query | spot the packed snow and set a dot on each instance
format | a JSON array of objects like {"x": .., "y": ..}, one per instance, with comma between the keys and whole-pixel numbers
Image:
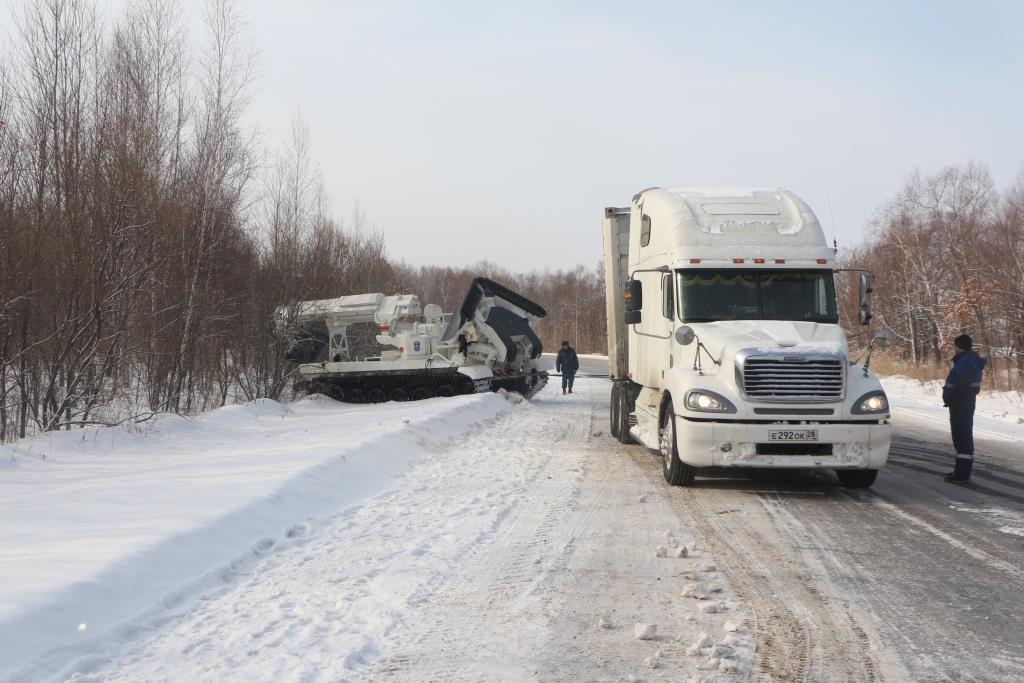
[
  {"x": 475, "y": 537},
  {"x": 101, "y": 525}
]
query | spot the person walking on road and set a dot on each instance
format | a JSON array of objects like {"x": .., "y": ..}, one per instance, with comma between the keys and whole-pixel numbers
[
  {"x": 959, "y": 394},
  {"x": 567, "y": 363}
]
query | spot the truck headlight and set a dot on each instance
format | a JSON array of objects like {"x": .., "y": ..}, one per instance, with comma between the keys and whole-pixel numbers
[
  {"x": 704, "y": 401},
  {"x": 871, "y": 403}
]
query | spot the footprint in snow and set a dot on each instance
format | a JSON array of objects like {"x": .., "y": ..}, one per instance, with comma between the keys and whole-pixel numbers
[
  {"x": 296, "y": 530},
  {"x": 262, "y": 545}
]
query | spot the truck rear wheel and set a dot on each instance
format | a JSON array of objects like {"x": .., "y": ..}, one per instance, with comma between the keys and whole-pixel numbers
[
  {"x": 677, "y": 473},
  {"x": 614, "y": 409},
  {"x": 857, "y": 479},
  {"x": 623, "y": 414}
]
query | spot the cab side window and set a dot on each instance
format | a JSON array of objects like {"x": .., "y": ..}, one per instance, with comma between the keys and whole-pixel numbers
[
  {"x": 645, "y": 231},
  {"x": 668, "y": 308}
]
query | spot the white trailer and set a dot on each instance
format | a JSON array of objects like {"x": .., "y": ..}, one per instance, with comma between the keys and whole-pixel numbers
[{"x": 724, "y": 343}]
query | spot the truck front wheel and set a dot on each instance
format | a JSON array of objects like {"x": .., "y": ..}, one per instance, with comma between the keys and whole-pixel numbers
[
  {"x": 857, "y": 479},
  {"x": 677, "y": 473}
]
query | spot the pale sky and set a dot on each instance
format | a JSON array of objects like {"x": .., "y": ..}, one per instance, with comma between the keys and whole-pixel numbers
[{"x": 475, "y": 130}]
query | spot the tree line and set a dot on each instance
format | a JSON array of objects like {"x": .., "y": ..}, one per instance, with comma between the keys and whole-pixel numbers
[
  {"x": 147, "y": 236},
  {"x": 948, "y": 253}
]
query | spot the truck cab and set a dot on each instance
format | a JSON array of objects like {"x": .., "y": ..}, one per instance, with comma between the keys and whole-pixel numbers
[{"x": 724, "y": 341}]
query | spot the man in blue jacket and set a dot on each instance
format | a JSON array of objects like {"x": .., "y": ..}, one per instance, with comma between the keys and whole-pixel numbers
[
  {"x": 959, "y": 395},
  {"x": 567, "y": 363}
]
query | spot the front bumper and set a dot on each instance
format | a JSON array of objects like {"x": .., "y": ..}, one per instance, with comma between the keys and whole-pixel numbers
[{"x": 734, "y": 444}]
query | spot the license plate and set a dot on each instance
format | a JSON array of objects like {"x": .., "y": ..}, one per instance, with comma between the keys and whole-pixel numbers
[{"x": 795, "y": 435}]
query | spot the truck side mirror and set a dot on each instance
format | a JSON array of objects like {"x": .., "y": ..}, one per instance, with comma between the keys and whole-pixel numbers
[
  {"x": 633, "y": 295},
  {"x": 685, "y": 335},
  {"x": 867, "y": 285},
  {"x": 883, "y": 338}
]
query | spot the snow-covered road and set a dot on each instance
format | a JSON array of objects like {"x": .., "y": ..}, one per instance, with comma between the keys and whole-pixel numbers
[
  {"x": 484, "y": 539},
  {"x": 914, "y": 579},
  {"x": 526, "y": 546}
]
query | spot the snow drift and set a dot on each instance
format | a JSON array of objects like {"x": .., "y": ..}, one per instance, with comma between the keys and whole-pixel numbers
[{"x": 101, "y": 525}]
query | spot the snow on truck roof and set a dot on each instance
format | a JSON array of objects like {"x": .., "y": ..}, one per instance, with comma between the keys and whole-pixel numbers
[{"x": 734, "y": 216}]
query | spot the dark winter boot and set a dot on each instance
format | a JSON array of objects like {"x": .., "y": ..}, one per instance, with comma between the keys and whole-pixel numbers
[{"x": 962, "y": 471}]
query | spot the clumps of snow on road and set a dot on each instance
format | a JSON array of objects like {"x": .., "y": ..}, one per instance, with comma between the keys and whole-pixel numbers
[
  {"x": 645, "y": 631},
  {"x": 693, "y": 590},
  {"x": 703, "y": 640},
  {"x": 723, "y": 656},
  {"x": 712, "y": 607},
  {"x": 677, "y": 551}
]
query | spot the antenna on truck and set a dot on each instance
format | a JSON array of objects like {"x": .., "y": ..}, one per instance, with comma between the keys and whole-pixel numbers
[{"x": 832, "y": 219}]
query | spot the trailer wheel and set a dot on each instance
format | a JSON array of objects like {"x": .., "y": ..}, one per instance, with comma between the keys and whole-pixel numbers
[
  {"x": 376, "y": 396},
  {"x": 857, "y": 479},
  {"x": 354, "y": 395},
  {"x": 399, "y": 394},
  {"x": 623, "y": 414},
  {"x": 677, "y": 473},
  {"x": 614, "y": 408},
  {"x": 446, "y": 390}
]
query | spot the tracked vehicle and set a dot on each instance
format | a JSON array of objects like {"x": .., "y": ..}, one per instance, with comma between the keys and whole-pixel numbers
[{"x": 488, "y": 344}]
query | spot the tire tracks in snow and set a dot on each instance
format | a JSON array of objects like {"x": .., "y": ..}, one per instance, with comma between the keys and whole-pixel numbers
[
  {"x": 556, "y": 592},
  {"x": 504, "y": 585},
  {"x": 804, "y": 631}
]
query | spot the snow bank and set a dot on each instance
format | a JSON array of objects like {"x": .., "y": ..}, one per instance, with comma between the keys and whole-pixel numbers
[{"x": 102, "y": 524}]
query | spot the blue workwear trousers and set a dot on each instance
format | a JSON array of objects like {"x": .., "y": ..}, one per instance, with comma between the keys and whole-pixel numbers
[
  {"x": 567, "y": 377},
  {"x": 961, "y": 425}
]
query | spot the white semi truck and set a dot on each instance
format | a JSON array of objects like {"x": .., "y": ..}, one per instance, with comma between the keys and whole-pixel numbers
[{"x": 724, "y": 342}]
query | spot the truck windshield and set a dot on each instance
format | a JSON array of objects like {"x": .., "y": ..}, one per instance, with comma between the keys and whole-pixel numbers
[{"x": 707, "y": 295}]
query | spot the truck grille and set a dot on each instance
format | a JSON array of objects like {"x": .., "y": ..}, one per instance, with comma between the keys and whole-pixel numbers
[{"x": 793, "y": 379}]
